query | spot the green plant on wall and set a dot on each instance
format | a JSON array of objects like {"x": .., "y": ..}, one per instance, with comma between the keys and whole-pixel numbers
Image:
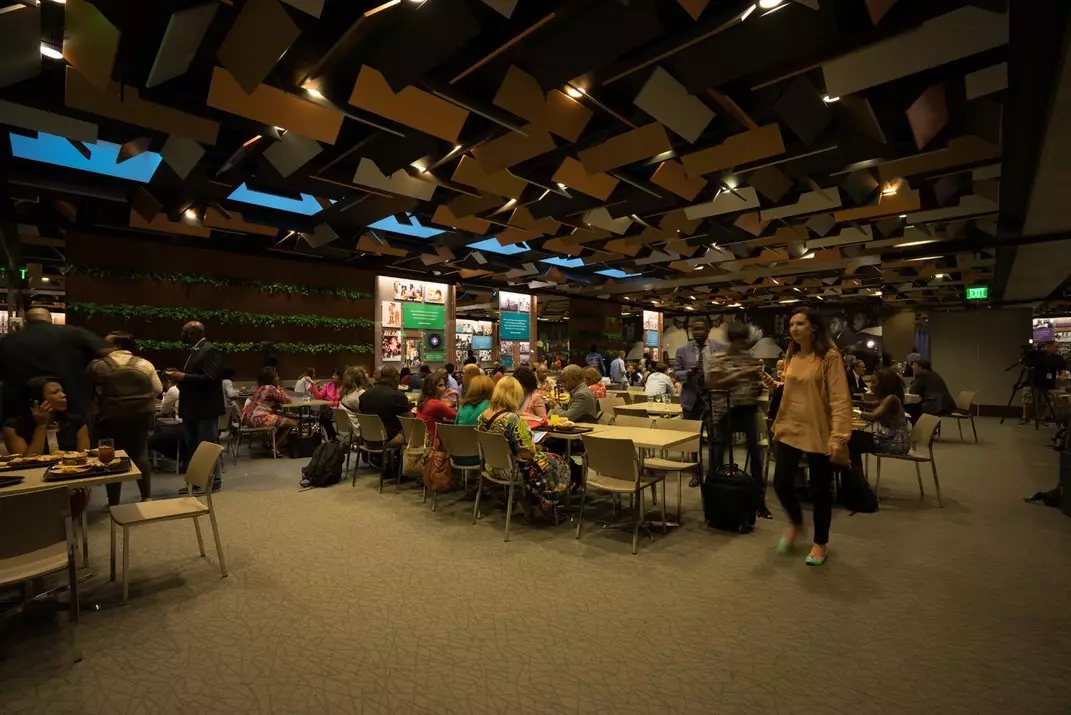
[
  {"x": 282, "y": 348},
  {"x": 215, "y": 281},
  {"x": 223, "y": 316}
]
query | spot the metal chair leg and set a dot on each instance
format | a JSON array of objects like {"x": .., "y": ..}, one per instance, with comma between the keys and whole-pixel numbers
[
  {"x": 959, "y": 423},
  {"x": 636, "y": 524},
  {"x": 877, "y": 480},
  {"x": 200, "y": 541},
  {"x": 974, "y": 429},
  {"x": 918, "y": 474},
  {"x": 126, "y": 564},
  {"x": 112, "y": 570},
  {"x": 479, "y": 493},
  {"x": 664, "y": 527},
  {"x": 85, "y": 539},
  {"x": 75, "y": 612},
  {"x": 936, "y": 484},
  {"x": 219, "y": 544},
  {"x": 580, "y": 514},
  {"x": 509, "y": 510}
]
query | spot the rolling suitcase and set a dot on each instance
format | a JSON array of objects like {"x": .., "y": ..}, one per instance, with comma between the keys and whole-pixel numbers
[{"x": 729, "y": 493}]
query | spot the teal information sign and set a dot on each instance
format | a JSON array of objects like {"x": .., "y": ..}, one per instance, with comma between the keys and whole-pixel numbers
[
  {"x": 418, "y": 316},
  {"x": 513, "y": 326}
]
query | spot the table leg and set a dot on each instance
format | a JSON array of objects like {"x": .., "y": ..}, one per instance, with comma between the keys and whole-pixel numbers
[
  {"x": 85, "y": 539},
  {"x": 664, "y": 524}
]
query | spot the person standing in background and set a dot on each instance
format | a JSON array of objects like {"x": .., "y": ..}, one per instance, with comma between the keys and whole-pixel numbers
[
  {"x": 618, "y": 376},
  {"x": 127, "y": 388},
  {"x": 690, "y": 367},
  {"x": 451, "y": 381},
  {"x": 813, "y": 421},
  {"x": 200, "y": 384},
  {"x": 596, "y": 360},
  {"x": 471, "y": 359}
]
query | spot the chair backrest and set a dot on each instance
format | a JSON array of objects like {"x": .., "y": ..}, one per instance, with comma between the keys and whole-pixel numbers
[
  {"x": 612, "y": 457},
  {"x": 923, "y": 431},
  {"x": 414, "y": 431},
  {"x": 407, "y": 428},
  {"x": 676, "y": 425},
  {"x": 606, "y": 418},
  {"x": 606, "y": 404},
  {"x": 965, "y": 401},
  {"x": 632, "y": 421},
  {"x": 342, "y": 423},
  {"x": 371, "y": 428},
  {"x": 638, "y": 397},
  {"x": 459, "y": 440},
  {"x": 33, "y": 521},
  {"x": 199, "y": 471},
  {"x": 674, "y": 399},
  {"x": 495, "y": 451}
]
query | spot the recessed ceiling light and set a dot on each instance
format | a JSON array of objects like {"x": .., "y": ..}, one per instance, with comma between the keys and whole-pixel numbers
[
  {"x": 457, "y": 147},
  {"x": 45, "y": 279},
  {"x": 280, "y": 130},
  {"x": 313, "y": 92},
  {"x": 688, "y": 307},
  {"x": 903, "y": 216},
  {"x": 561, "y": 186},
  {"x": 769, "y": 4},
  {"x": 698, "y": 268},
  {"x": 830, "y": 100},
  {"x": 190, "y": 214},
  {"x": 942, "y": 275},
  {"x": 915, "y": 243},
  {"x": 925, "y": 258},
  {"x": 51, "y": 52},
  {"x": 574, "y": 92},
  {"x": 747, "y": 13}
]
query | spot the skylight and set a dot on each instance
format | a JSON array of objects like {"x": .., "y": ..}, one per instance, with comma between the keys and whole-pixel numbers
[
  {"x": 491, "y": 245},
  {"x": 417, "y": 229},
  {"x": 564, "y": 262},
  {"x": 55, "y": 150},
  {"x": 308, "y": 205},
  {"x": 617, "y": 273}
]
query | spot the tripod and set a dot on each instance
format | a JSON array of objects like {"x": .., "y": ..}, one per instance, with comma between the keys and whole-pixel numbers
[{"x": 1040, "y": 395}]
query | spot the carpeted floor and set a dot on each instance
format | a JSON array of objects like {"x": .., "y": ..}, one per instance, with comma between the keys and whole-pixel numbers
[{"x": 343, "y": 600}]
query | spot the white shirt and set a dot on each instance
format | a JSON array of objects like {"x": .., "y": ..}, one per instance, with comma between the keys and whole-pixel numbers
[
  {"x": 303, "y": 386},
  {"x": 659, "y": 383},
  {"x": 169, "y": 406}
]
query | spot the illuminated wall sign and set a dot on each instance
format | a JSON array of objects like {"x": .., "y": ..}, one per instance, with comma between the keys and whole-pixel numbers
[{"x": 977, "y": 292}]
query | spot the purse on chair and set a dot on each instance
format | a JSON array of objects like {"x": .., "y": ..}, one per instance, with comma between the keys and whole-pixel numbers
[{"x": 436, "y": 470}]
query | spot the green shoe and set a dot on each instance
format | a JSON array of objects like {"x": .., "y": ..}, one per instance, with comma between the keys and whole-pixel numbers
[
  {"x": 812, "y": 561},
  {"x": 784, "y": 546}
]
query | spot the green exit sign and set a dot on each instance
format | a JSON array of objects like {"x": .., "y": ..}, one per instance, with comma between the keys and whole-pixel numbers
[{"x": 978, "y": 293}]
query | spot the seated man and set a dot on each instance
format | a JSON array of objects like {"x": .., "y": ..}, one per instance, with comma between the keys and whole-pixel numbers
[
  {"x": 583, "y": 407},
  {"x": 388, "y": 402},
  {"x": 931, "y": 387}
]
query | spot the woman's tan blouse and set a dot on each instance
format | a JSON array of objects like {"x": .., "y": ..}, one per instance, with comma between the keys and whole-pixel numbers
[{"x": 815, "y": 404}]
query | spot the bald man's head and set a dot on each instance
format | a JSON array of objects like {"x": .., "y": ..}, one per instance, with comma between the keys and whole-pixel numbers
[
  {"x": 468, "y": 372},
  {"x": 38, "y": 315},
  {"x": 192, "y": 332}
]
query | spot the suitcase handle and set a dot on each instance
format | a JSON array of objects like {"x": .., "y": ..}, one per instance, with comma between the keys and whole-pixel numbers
[{"x": 728, "y": 422}]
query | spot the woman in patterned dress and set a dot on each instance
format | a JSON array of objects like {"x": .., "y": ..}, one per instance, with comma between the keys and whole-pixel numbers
[
  {"x": 545, "y": 475},
  {"x": 892, "y": 428},
  {"x": 263, "y": 409}
]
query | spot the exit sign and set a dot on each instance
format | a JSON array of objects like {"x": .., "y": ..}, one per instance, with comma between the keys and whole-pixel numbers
[{"x": 978, "y": 293}]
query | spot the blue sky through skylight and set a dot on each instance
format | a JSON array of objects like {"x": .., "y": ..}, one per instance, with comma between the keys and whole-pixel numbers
[
  {"x": 564, "y": 262},
  {"x": 617, "y": 273},
  {"x": 491, "y": 245},
  {"x": 55, "y": 150},
  {"x": 417, "y": 229},
  {"x": 308, "y": 205}
]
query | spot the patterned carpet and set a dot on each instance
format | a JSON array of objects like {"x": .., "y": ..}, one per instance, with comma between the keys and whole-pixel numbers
[{"x": 343, "y": 600}]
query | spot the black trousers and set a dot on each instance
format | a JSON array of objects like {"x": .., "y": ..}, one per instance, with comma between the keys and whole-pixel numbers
[
  {"x": 788, "y": 459},
  {"x": 132, "y": 435}
]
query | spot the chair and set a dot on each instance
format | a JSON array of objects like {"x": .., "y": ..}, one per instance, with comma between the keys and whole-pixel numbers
[
  {"x": 373, "y": 433},
  {"x": 632, "y": 421},
  {"x": 415, "y": 435},
  {"x": 348, "y": 435},
  {"x": 248, "y": 432},
  {"x": 617, "y": 470},
  {"x": 921, "y": 433},
  {"x": 638, "y": 397},
  {"x": 198, "y": 474},
  {"x": 607, "y": 404},
  {"x": 37, "y": 539},
  {"x": 459, "y": 441},
  {"x": 674, "y": 399},
  {"x": 497, "y": 457},
  {"x": 687, "y": 449},
  {"x": 965, "y": 411}
]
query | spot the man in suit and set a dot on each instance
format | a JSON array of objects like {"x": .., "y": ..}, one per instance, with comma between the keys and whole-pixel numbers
[
  {"x": 931, "y": 387},
  {"x": 690, "y": 366},
  {"x": 200, "y": 384}
]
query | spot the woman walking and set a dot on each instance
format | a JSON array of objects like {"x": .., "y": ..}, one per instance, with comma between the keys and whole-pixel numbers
[{"x": 814, "y": 421}]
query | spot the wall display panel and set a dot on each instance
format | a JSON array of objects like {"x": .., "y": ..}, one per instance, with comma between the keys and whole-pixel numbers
[
  {"x": 514, "y": 302},
  {"x": 411, "y": 316},
  {"x": 482, "y": 342},
  {"x": 505, "y": 353},
  {"x": 423, "y": 316},
  {"x": 391, "y": 346},
  {"x": 392, "y": 314},
  {"x": 513, "y": 326},
  {"x": 412, "y": 356}
]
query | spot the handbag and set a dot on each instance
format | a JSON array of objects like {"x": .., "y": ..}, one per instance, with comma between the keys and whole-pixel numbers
[{"x": 437, "y": 472}]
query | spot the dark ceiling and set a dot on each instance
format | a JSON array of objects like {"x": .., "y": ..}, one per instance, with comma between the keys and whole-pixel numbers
[{"x": 844, "y": 149}]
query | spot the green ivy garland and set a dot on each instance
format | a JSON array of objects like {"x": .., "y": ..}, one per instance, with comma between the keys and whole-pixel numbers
[
  {"x": 153, "y": 312},
  {"x": 284, "y": 348},
  {"x": 215, "y": 281}
]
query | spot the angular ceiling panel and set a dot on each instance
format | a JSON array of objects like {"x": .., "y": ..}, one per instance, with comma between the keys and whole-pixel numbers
[
  {"x": 368, "y": 174},
  {"x": 412, "y": 107},
  {"x": 739, "y": 149},
  {"x": 23, "y": 117},
  {"x": 260, "y": 35},
  {"x": 512, "y": 148},
  {"x": 666, "y": 99},
  {"x": 183, "y": 37},
  {"x": 627, "y": 148},
  {"x": 573, "y": 174},
  {"x": 20, "y": 43},
  {"x": 291, "y": 153},
  {"x": 520, "y": 94},
  {"x": 743, "y": 199},
  {"x": 670, "y": 175},
  {"x": 90, "y": 43}
]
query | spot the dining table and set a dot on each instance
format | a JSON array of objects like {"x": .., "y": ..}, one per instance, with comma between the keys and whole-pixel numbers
[
  {"x": 651, "y": 409},
  {"x": 33, "y": 480}
]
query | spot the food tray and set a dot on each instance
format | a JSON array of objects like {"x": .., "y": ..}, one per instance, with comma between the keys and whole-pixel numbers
[
  {"x": 116, "y": 466},
  {"x": 43, "y": 460}
]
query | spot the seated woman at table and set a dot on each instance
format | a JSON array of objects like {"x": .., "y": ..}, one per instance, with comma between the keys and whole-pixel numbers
[
  {"x": 331, "y": 390},
  {"x": 354, "y": 383},
  {"x": 891, "y": 425},
  {"x": 405, "y": 376},
  {"x": 593, "y": 378},
  {"x": 533, "y": 404},
  {"x": 546, "y": 380},
  {"x": 434, "y": 406},
  {"x": 477, "y": 399},
  {"x": 265, "y": 405},
  {"x": 545, "y": 475},
  {"x": 498, "y": 373},
  {"x": 43, "y": 426}
]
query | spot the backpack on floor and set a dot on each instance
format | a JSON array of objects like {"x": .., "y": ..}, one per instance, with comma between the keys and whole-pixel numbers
[
  {"x": 856, "y": 494},
  {"x": 730, "y": 495},
  {"x": 325, "y": 467}
]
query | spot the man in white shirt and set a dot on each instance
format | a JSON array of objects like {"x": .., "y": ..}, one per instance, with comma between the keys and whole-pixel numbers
[
  {"x": 617, "y": 372},
  {"x": 169, "y": 405},
  {"x": 659, "y": 383}
]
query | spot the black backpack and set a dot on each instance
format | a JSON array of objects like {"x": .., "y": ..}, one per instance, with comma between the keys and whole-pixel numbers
[
  {"x": 123, "y": 389},
  {"x": 730, "y": 495},
  {"x": 325, "y": 467},
  {"x": 856, "y": 494}
]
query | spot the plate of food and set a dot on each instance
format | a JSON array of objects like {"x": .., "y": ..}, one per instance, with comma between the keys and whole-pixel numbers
[
  {"x": 90, "y": 468},
  {"x": 29, "y": 461}
]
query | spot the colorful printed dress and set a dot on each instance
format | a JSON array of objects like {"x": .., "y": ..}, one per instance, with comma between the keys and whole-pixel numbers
[
  {"x": 545, "y": 476},
  {"x": 264, "y": 406}
]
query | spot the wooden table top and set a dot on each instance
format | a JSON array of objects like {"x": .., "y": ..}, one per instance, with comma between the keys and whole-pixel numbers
[
  {"x": 643, "y": 437},
  {"x": 34, "y": 479},
  {"x": 650, "y": 408},
  {"x": 298, "y": 403}
]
